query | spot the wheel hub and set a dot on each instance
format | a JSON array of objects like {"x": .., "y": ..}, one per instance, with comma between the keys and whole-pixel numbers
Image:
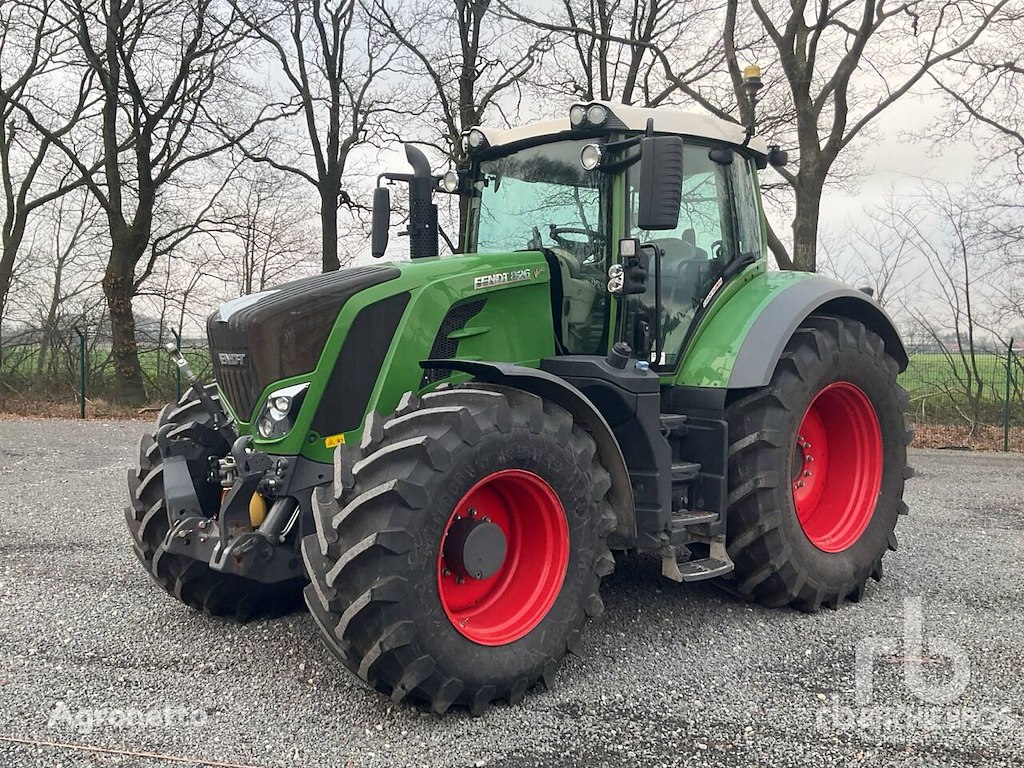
[
  {"x": 474, "y": 548},
  {"x": 502, "y": 557},
  {"x": 837, "y": 466}
]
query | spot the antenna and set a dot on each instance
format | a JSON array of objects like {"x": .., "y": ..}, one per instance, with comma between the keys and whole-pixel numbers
[{"x": 751, "y": 85}]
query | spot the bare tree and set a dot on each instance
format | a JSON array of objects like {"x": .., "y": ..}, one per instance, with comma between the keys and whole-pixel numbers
[
  {"x": 32, "y": 50},
  {"x": 71, "y": 247},
  {"x": 470, "y": 56},
  {"x": 268, "y": 229},
  {"x": 624, "y": 50},
  {"x": 874, "y": 253},
  {"x": 332, "y": 61},
  {"x": 985, "y": 85},
  {"x": 471, "y": 60},
  {"x": 842, "y": 65},
  {"x": 950, "y": 227},
  {"x": 165, "y": 91}
]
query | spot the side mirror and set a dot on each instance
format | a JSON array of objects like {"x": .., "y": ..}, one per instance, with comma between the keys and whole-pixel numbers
[
  {"x": 381, "y": 221},
  {"x": 777, "y": 157},
  {"x": 661, "y": 182}
]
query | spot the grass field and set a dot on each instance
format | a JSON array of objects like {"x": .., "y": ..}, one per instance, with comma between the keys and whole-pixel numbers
[{"x": 933, "y": 373}]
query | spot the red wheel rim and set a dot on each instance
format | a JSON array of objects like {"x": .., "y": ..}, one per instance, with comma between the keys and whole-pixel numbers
[
  {"x": 506, "y": 606},
  {"x": 837, "y": 467}
]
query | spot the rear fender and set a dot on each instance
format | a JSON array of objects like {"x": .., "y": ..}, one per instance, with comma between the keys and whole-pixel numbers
[
  {"x": 761, "y": 349},
  {"x": 741, "y": 341}
]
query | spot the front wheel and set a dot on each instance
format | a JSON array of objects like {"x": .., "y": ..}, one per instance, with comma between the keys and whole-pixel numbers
[
  {"x": 817, "y": 464},
  {"x": 462, "y": 549}
]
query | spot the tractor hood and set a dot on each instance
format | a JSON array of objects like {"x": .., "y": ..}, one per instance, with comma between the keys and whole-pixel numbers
[{"x": 267, "y": 336}]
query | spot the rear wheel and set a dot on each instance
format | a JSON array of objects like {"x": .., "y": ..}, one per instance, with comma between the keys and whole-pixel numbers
[
  {"x": 191, "y": 581},
  {"x": 817, "y": 465},
  {"x": 464, "y": 548}
]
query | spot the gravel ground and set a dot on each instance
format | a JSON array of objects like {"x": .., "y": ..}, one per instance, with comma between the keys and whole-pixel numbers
[{"x": 671, "y": 674}]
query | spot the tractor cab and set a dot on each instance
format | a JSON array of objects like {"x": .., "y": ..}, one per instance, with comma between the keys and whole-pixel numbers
[{"x": 679, "y": 189}]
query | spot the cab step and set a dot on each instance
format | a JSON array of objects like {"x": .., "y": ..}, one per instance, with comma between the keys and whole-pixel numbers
[
  {"x": 685, "y": 518},
  {"x": 718, "y": 563},
  {"x": 673, "y": 424},
  {"x": 684, "y": 472},
  {"x": 705, "y": 568}
]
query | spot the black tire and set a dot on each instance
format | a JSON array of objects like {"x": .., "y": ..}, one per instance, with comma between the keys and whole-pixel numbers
[
  {"x": 373, "y": 561},
  {"x": 190, "y": 581},
  {"x": 777, "y": 564}
]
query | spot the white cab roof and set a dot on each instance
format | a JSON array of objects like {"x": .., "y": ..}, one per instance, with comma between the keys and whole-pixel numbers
[{"x": 635, "y": 119}]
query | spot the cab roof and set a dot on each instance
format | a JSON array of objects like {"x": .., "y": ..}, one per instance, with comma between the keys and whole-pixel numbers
[{"x": 629, "y": 118}]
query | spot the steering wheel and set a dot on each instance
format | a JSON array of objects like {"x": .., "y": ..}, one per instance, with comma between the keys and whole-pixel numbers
[
  {"x": 558, "y": 234},
  {"x": 586, "y": 251}
]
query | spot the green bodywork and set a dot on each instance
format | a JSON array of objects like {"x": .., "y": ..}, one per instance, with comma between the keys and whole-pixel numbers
[
  {"x": 708, "y": 361},
  {"x": 434, "y": 285},
  {"x": 514, "y": 326}
]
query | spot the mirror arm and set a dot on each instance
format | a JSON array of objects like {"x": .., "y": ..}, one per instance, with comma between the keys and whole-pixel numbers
[{"x": 619, "y": 165}]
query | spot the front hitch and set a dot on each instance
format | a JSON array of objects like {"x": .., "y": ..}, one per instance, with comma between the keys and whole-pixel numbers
[{"x": 228, "y": 543}]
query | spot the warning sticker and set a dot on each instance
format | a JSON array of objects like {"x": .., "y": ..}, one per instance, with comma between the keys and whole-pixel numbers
[{"x": 333, "y": 441}]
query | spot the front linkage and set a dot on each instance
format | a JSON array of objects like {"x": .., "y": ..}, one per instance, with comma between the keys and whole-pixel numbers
[{"x": 243, "y": 539}]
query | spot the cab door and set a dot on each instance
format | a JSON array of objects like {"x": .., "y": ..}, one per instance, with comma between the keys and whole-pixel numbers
[{"x": 719, "y": 229}]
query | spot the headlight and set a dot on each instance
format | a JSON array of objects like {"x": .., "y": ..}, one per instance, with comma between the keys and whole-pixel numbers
[
  {"x": 277, "y": 417},
  {"x": 590, "y": 156},
  {"x": 476, "y": 138},
  {"x": 576, "y": 115},
  {"x": 450, "y": 182},
  {"x": 597, "y": 114}
]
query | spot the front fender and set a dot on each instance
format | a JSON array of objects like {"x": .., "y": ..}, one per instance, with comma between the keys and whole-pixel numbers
[{"x": 560, "y": 392}]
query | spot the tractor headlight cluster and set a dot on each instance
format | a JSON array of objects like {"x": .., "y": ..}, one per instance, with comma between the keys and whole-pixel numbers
[
  {"x": 474, "y": 139},
  {"x": 589, "y": 116},
  {"x": 277, "y": 416}
]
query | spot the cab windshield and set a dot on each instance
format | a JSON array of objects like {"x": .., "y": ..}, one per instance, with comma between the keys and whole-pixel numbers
[{"x": 540, "y": 198}]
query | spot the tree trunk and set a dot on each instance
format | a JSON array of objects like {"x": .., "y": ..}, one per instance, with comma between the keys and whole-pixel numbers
[
  {"x": 805, "y": 226},
  {"x": 13, "y": 235},
  {"x": 329, "y": 225},
  {"x": 119, "y": 289}
]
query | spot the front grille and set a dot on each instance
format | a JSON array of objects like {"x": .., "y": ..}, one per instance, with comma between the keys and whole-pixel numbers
[
  {"x": 239, "y": 383},
  {"x": 281, "y": 332}
]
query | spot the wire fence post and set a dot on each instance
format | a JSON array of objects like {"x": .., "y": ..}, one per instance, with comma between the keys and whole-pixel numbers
[
  {"x": 81, "y": 373},
  {"x": 1006, "y": 402},
  {"x": 177, "y": 370}
]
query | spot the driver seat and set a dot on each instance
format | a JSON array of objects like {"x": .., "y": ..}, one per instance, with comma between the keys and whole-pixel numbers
[{"x": 683, "y": 268}]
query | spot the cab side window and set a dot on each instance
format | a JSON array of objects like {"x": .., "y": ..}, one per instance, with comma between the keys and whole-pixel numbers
[
  {"x": 700, "y": 247},
  {"x": 748, "y": 212}
]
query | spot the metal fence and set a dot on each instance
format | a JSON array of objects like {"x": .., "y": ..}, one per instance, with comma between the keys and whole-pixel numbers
[
  {"x": 38, "y": 369},
  {"x": 964, "y": 396},
  {"x": 958, "y": 397}
]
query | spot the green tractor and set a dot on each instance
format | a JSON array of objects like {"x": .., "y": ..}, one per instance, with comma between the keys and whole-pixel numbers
[{"x": 441, "y": 454}]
